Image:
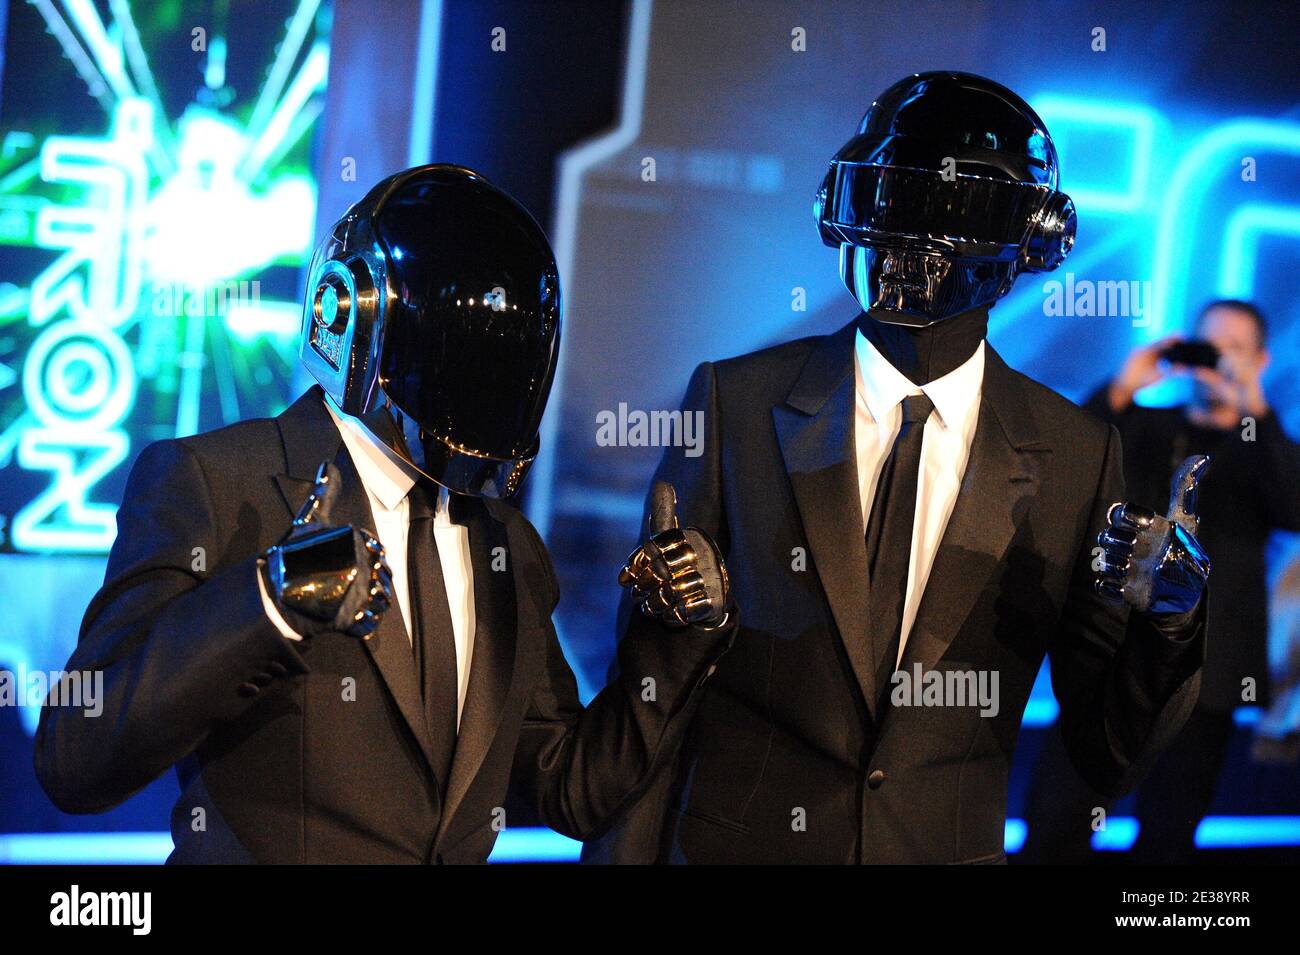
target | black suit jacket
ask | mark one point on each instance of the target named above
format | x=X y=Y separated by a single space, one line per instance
x=787 y=758
x=318 y=752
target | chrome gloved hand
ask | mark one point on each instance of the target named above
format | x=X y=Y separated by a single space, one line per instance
x=677 y=576
x=1155 y=563
x=327 y=579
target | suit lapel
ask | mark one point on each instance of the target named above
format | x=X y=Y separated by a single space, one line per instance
x=815 y=428
x=310 y=436
x=1000 y=481
x=495 y=631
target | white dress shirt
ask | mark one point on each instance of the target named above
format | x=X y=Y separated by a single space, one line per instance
x=387 y=480
x=945 y=450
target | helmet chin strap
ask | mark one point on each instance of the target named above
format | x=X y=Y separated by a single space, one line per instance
x=926 y=352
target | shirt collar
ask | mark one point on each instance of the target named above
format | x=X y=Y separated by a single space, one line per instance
x=386 y=476
x=882 y=386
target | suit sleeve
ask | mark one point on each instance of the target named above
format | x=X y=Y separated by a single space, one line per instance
x=575 y=767
x=178 y=649
x=1125 y=683
x=585 y=771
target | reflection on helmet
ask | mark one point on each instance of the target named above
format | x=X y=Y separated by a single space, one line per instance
x=433 y=314
x=946 y=193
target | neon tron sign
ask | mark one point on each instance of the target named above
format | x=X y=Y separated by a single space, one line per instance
x=150 y=318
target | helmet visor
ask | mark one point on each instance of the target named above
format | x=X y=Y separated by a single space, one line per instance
x=868 y=201
x=472 y=336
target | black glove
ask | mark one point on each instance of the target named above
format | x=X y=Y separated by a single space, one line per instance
x=677 y=576
x=1155 y=563
x=327 y=579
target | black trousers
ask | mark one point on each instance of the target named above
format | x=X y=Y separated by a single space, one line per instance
x=1171 y=800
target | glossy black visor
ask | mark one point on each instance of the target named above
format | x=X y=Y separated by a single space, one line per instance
x=868 y=201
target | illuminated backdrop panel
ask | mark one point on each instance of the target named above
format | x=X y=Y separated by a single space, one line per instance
x=157 y=204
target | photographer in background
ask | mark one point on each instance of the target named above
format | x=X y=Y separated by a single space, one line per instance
x=1252 y=488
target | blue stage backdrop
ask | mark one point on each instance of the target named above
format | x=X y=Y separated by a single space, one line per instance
x=161 y=163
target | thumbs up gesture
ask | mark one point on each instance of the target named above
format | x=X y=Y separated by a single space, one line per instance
x=677 y=576
x=324 y=578
x=1155 y=563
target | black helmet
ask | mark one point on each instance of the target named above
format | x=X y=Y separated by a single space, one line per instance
x=433 y=314
x=946 y=193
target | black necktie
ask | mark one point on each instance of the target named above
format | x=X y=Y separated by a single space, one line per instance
x=889 y=538
x=433 y=639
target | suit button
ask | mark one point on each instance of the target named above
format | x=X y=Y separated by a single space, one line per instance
x=247 y=690
x=262 y=679
x=876 y=779
x=276 y=668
